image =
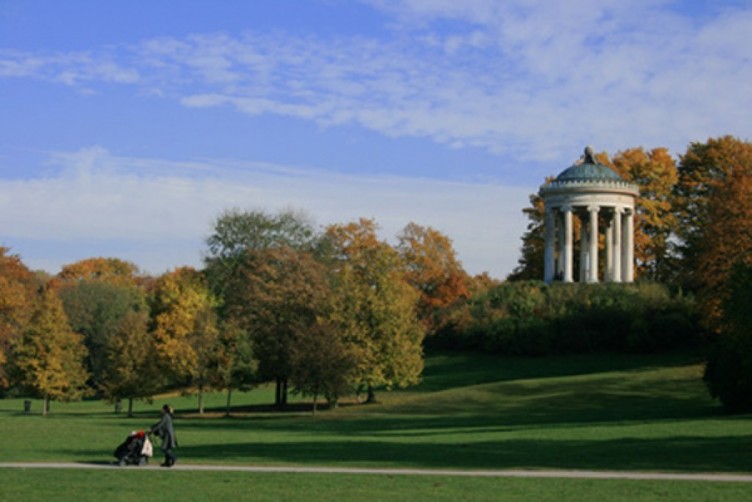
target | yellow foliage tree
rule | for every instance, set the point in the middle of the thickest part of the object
(186, 327)
(655, 172)
(375, 307)
(48, 357)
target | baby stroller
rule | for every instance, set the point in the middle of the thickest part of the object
(135, 450)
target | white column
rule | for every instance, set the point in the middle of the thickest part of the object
(567, 243)
(609, 250)
(593, 241)
(628, 263)
(550, 224)
(617, 250)
(583, 249)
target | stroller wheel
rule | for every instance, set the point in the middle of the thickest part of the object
(142, 461)
(121, 462)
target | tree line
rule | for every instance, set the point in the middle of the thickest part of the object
(323, 313)
(335, 311)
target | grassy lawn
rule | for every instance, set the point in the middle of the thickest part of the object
(599, 412)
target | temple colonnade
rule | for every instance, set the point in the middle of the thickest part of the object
(603, 204)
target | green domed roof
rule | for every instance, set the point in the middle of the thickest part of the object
(588, 169)
(588, 172)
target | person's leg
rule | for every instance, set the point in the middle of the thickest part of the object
(173, 456)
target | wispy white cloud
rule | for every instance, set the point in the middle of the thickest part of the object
(524, 79)
(160, 215)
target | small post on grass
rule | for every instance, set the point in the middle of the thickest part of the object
(27, 406)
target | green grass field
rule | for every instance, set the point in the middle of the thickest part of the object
(594, 412)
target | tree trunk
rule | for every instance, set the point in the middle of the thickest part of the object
(201, 399)
(46, 405)
(371, 395)
(280, 400)
(130, 407)
(315, 398)
(229, 399)
(278, 393)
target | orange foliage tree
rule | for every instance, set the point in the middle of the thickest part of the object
(432, 268)
(712, 202)
(17, 301)
(112, 270)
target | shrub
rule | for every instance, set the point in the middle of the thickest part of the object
(532, 318)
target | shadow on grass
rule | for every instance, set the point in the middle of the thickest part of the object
(678, 453)
(722, 454)
(447, 370)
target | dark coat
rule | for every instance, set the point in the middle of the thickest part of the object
(164, 429)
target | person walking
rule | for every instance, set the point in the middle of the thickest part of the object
(165, 430)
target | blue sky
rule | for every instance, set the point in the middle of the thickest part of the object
(127, 127)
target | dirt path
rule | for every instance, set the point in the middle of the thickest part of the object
(511, 473)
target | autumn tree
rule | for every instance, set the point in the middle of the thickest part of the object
(703, 170)
(17, 298)
(131, 370)
(432, 268)
(283, 290)
(185, 328)
(110, 270)
(728, 241)
(48, 356)
(322, 363)
(375, 307)
(655, 173)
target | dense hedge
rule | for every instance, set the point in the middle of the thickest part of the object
(533, 318)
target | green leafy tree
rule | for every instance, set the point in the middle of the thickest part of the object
(322, 363)
(283, 290)
(131, 371)
(96, 309)
(48, 357)
(375, 307)
(236, 231)
(236, 365)
(530, 263)
(235, 234)
(728, 373)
